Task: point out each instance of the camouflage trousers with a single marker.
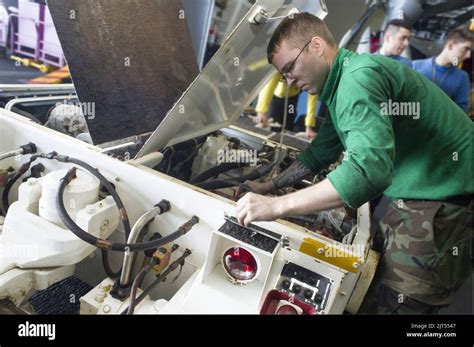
(425, 251)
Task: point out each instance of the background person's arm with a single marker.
(264, 99)
(310, 119)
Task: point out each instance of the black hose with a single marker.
(123, 213)
(6, 191)
(106, 264)
(182, 163)
(107, 185)
(216, 170)
(29, 148)
(109, 245)
(219, 184)
(189, 143)
(259, 172)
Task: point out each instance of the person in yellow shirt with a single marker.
(271, 104)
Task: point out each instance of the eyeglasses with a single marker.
(286, 72)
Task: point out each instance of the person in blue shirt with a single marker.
(396, 38)
(443, 69)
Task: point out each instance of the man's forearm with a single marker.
(294, 174)
(320, 197)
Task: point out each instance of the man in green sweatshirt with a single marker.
(401, 137)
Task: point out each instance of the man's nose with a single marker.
(290, 81)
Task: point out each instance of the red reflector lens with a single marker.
(240, 264)
(286, 309)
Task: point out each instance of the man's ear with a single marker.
(317, 45)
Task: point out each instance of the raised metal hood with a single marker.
(131, 59)
(232, 78)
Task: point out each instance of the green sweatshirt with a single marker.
(401, 135)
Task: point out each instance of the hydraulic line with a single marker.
(257, 173)
(162, 276)
(111, 190)
(162, 207)
(106, 264)
(216, 170)
(106, 244)
(107, 185)
(29, 148)
(11, 182)
(123, 214)
(139, 279)
(219, 184)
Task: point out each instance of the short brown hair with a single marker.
(460, 34)
(398, 23)
(298, 29)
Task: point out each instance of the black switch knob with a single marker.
(308, 294)
(285, 284)
(312, 281)
(318, 298)
(296, 288)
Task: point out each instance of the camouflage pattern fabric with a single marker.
(425, 247)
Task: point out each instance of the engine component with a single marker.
(36, 171)
(67, 119)
(20, 172)
(36, 242)
(216, 170)
(82, 191)
(160, 208)
(161, 277)
(259, 172)
(29, 193)
(109, 245)
(209, 153)
(29, 148)
(161, 257)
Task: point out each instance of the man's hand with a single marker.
(254, 207)
(262, 119)
(320, 197)
(310, 133)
